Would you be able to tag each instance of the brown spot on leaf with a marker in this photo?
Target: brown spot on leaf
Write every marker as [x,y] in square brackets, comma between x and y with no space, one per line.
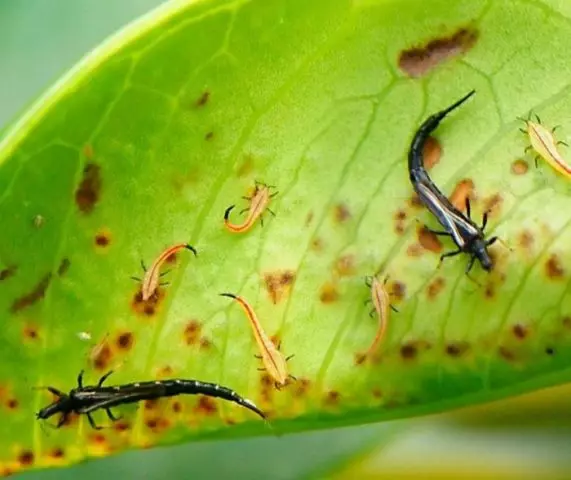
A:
[88,152]
[554,268]
[431,152]
[360,358]
[415,201]
[57,453]
[149,307]
[317,245]
[414,250]
[89,190]
[8,272]
[435,287]
[550,351]
[400,218]
[519,167]
[329,293]
[506,353]
[345,266]
[12,404]
[342,213]
[26,458]
[461,193]
[408,351]
[125,341]
[103,239]
[457,349]
[493,203]
[428,240]
[526,239]
[151,404]
[206,405]
[121,426]
[165,372]
[63,266]
[176,406]
[332,397]
[489,291]
[203,99]
[566,321]
[398,290]
[520,331]
[101,356]
[278,284]
[205,343]
[192,332]
[209,136]
[308,219]
[34,296]
[30,332]
[418,61]
[377,393]
[302,387]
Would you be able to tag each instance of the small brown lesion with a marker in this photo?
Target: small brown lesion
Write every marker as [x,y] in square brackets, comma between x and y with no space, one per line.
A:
[89,190]
[342,213]
[278,284]
[30,332]
[554,267]
[192,332]
[206,406]
[432,152]
[525,239]
[8,272]
[57,453]
[418,61]
[457,349]
[493,203]
[435,287]
[345,266]
[328,293]
[102,239]
[463,191]
[209,136]
[37,294]
[125,340]
[411,349]
[149,307]
[519,167]
[400,221]
[63,267]
[332,398]
[101,356]
[397,290]
[428,240]
[203,99]
[520,331]
[506,353]
[26,458]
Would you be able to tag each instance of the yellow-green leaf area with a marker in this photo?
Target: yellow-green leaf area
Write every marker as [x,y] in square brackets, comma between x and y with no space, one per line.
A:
[149,140]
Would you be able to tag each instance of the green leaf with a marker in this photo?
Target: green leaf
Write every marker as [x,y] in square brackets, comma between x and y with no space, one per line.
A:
[155,134]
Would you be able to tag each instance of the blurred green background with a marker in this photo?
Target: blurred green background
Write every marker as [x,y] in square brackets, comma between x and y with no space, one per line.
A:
[523,438]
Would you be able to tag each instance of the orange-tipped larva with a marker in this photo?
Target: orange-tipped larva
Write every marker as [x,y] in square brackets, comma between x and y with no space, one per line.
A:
[273,360]
[545,145]
[150,281]
[382,303]
[258,204]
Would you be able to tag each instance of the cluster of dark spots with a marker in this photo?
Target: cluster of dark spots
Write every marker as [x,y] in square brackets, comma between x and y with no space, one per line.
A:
[520,331]
[192,332]
[176,406]
[63,266]
[121,426]
[102,239]
[414,250]
[428,240]
[26,458]
[457,349]
[37,294]
[12,404]
[57,453]
[8,272]
[431,153]
[209,136]
[89,190]
[30,332]
[302,387]
[266,387]
[206,405]
[342,213]
[328,293]
[203,99]
[278,284]
[493,203]
[400,220]
[549,351]
[125,341]
[554,267]
[101,356]
[435,287]
[519,167]
[157,423]
[332,397]
[526,239]
[345,266]
[150,404]
[148,308]
[463,190]
[506,353]
[418,61]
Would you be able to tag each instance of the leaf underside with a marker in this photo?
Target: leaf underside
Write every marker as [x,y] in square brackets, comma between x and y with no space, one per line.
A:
[155,134]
